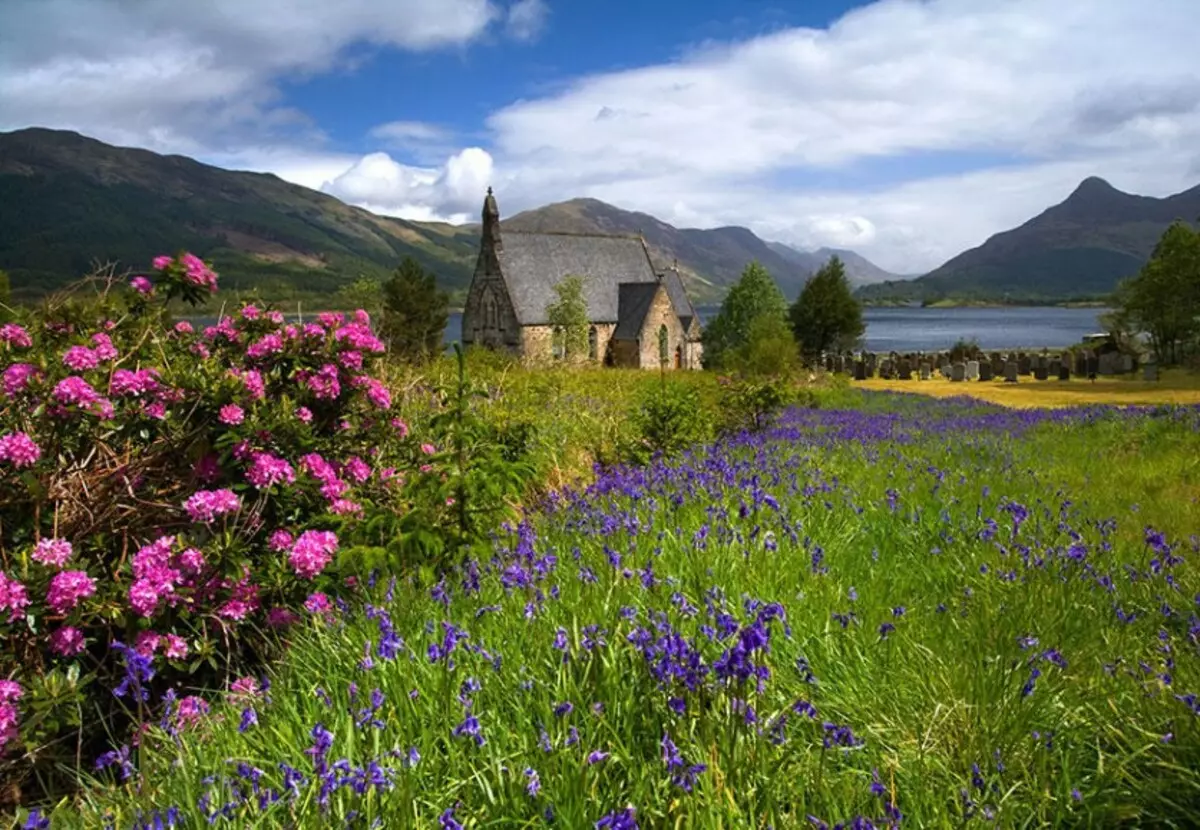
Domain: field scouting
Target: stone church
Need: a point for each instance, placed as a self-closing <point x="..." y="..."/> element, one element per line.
<point x="632" y="307"/>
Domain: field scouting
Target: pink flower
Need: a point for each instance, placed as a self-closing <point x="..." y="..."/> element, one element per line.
<point x="177" y="647"/>
<point x="162" y="261"/>
<point x="75" y="390"/>
<point x="234" y="609"/>
<point x="250" y="312"/>
<point x="317" y="603"/>
<point x="197" y="273"/>
<point x="147" y="643"/>
<point x="205" y="505"/>
<point x="331" y="319"/>
<point x="9" y="716"/>
<point x="19" y="449"/>
<point x="133" y="383"/>
<point x="141" y="285"/>
<point x="12" y="598"/>
<point x="52" y="553"/>
<point x="192" y="710"/>
<point x="324" y="384"/>
<point x="80" y="358"/>
<point x="428" y="449"/>
<point x="231" y="415"/>
<point x="312" y="552"/>
<point x="67" y="588"/>
<point x="192" y="561"/>
<point x="267" y="470"/>
<point x="357" y="470"/>
<point x="15" y="335"/>
<point x="265" y="346"/>
<point x="103" y="346"/>
<point x="10" y="690"/>
<point x="344" y="507"/>
<point x="156" y="410"/>
<point x="279" y="617"/>
<point x="244" y="687"/>
<point x="66" y="641"/>
<point x="303" y="413"/>
<point x="280" y="540"/>
<point x="252" y="379"/>
<point x="143" y="597"/>
<point x="400" y="427"/>
<point x="351" y="360"/>
<point x="379" y="395"/>
<point x="207" y="468"/>
<point x="359" y="336"/>
<point x="184" y="327"/>
<point x="17" y="378"/>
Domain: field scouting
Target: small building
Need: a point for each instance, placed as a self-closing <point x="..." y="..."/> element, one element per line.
<point x="635" y="312"/>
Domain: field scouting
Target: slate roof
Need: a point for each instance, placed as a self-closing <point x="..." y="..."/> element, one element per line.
<point x="679" y="298"/>
<point x="533" y="263"/>
<point x="633" y="301"/>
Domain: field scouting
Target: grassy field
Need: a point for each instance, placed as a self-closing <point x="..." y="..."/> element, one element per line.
<point x="927" y="613"/>
<point x="1173" y="387"/>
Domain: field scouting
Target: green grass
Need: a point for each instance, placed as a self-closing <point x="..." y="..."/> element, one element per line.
<point x="897" y="496"/>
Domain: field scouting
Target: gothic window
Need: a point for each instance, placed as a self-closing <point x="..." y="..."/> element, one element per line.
<point x="593" y="343"/>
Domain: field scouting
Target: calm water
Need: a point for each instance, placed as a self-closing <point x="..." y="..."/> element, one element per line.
<point x="930" y="329"/>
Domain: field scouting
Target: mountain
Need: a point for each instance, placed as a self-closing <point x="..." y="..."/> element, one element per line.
<point x="1078" y="249"/>
<point x="68" y="201"/>
<point x="859" y="269"/>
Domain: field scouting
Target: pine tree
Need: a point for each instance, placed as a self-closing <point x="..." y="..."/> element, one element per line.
<point x="826" y="316"/>
<point x="415" y="312"/>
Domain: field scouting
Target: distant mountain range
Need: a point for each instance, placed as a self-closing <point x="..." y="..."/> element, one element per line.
<point x="68" y="201"/>
<point x="1079" y="249"/>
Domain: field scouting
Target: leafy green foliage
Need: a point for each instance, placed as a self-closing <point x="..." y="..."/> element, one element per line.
<point x="1164" y="298"/>
<point x="568" y="316"/>
<point x="754" y="295"/>
<point x="415" y="312"/>
<point x="770" y="350"/>
<point x="826" y="316"/>
<point x="669" y="418"/>
<point x="365" y="293"/>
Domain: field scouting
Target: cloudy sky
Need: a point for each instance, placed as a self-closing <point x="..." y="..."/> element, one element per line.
<point x="907" y="130"/>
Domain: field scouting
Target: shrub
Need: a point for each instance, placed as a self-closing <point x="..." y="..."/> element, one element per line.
<point x="666" y="420"/>
<point x="167" y="495"/>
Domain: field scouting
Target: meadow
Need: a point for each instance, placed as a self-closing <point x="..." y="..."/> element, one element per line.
<point x="883" y="610"/>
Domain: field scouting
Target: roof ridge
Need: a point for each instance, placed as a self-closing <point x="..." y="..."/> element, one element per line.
<point x="587" y="234"/>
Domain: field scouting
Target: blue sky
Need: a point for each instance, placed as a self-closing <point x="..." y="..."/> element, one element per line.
<point x="906" y="130"/>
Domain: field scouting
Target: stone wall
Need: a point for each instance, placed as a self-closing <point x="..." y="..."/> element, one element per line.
<point x="537" y="343"/>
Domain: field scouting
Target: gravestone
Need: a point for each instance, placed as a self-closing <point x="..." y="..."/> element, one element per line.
<point x="1064" y="371"/>
<point x="1150" y="369"/>
<point x="1092" y="367"/>
<point x="1024" y="364"/>
<point x="985" y="371"/>
<point x="905" y="369"/>
<point x="1040" y="372"/>
<point x="1011" y="371"/>
<point x="1080" y="363"/>
<point x="926" y="371"/>
<point x="885" y="369"/>
<point x="860" y="370"/>
<point x="997" y="364"/>
<point x="958" y="372"/>
<point x="1055" y="367"/>
<point x="1126" y="363"/>
<point x="872" y="364"/>
<point x="972" y="370"/>
<point x="1108" y="363"/>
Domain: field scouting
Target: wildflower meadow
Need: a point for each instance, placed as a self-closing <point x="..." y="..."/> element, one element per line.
<point x="242" y="589"/>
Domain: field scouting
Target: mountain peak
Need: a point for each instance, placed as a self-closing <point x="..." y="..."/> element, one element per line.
<point x="1094" y="187"/>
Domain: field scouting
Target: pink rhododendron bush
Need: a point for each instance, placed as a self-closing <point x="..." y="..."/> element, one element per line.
<point x="174" y="496"/>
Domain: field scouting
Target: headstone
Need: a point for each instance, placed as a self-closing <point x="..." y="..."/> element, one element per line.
<point x="926" y="371"/>
<point x="1064" y="371"/>
<point x="872" y="364"/>
<point x="1093" y="366"/>
<point x="860" y="370"/>
<point x="1126" y="363"/>
<point x="905" y="369"/>
<point x="958" y="372"/>
<point x="972" y="370"/>
<point x="1040" y="372"/>
<point x="1080" y="363"/>
<point x="997" y="364"/>
<point x="1024" y="364"/>
<point x="1011" y="371"/>
<point x="885" y="368"/>
<point x="1108" y="363"/>
<point x="1055" y="367"/>
<point x="985" y="371"/>
<point x="1150" y="369"/>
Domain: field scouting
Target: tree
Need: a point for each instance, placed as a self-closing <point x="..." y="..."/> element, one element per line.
<point x="826" y="316"/>
<point x="754" y="295"/>
<point x="568" y="317"/>
<point x="364" y="293"/>
<point x="415" y="312"/>
<point x="769" y="351"/>
<point x="1163" y="300"/>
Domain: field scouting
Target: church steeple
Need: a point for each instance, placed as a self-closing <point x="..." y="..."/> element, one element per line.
<point x="491" y="223"/>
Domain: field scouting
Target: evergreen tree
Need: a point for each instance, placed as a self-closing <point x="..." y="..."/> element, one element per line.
<point x="568" y="315"/>
<point x="754" y="295"/>
<point x="415" y="312"/>
<point x="826" y="316"/>
<point x="1163" y="300"/>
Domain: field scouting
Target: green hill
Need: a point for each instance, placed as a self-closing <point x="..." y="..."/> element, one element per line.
<point x="1079" y="249"/>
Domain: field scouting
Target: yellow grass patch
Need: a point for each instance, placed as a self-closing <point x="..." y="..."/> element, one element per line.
<point x="1173" y="387"/>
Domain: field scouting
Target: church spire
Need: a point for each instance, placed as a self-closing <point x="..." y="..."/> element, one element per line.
<point x="491" y="222"/>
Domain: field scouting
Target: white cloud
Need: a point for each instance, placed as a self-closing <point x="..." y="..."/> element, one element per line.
<point x="179" y="76"/>
<point x="527" y="18"/>
<point x="451" y="193"/>
<point x="1068" y="89"/>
